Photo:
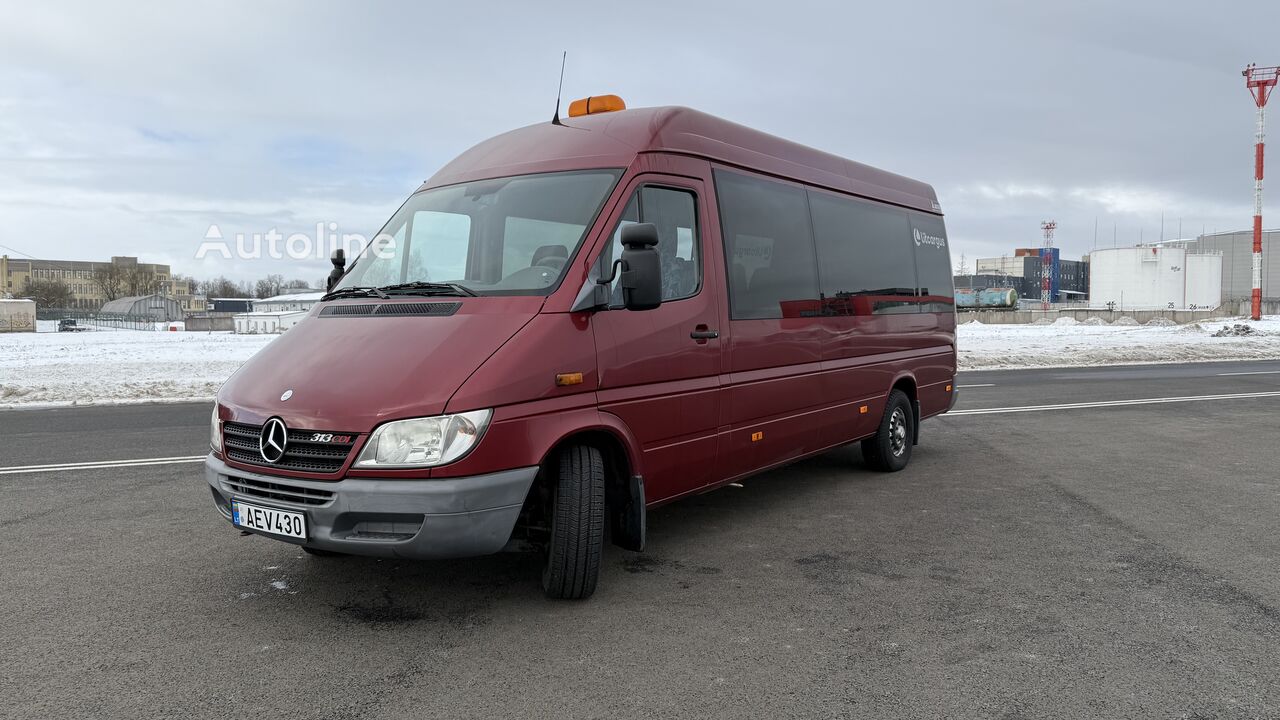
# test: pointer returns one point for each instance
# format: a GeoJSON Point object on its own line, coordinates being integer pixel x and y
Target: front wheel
{"type": "Point", "coordinates": [577, 523]}
{"type": "Point", "coordinates": [890, 449]}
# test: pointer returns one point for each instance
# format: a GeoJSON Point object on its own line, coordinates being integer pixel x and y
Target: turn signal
{"type": "Point", "coordinates": [596, 104]}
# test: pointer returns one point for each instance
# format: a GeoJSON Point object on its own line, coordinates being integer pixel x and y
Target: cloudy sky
{"type": "Point", "coordinates": [130, 131]}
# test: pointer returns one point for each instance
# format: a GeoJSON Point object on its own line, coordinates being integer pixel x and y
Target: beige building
{"type": "Point", "coordinates": [78, 276]}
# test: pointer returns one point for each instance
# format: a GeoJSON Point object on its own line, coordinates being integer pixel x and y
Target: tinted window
{"type": "Point", "coordinates": [865, 256]}
{"type": "Point", "coordinates": [675, 215]}
{"type": "Point", "coordinates": [933, 263]}
{"type": "Point", "coordinates": [768, 248]}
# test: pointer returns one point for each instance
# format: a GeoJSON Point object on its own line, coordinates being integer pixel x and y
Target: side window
{"type": "Point", "coordinates": [674, 212]}
{"type": "Point", "coordinates": [768, 248]}
{"type": "Point", "coordinates": [865, 253]}
{"type": "Point", "coordinates": [933, 263]}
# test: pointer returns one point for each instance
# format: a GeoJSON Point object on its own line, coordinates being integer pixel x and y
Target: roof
{"type": "Point", "coordinates": [125, 304]}
{"type": "Point", "coordinates": [614, 139]}
{"type": "Point", "coordinates": [270, 313]}
{"type": "Point", "coordinates": [295, 297]}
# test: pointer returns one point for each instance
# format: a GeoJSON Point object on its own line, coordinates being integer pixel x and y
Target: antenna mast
{"type": "Point", "coordinates": [1260, 81]}
{"type": "Point", "coordinates": [1046, 264]}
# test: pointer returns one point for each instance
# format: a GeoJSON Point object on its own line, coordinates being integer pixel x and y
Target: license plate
{"type": "Point", "coordinates": [269, 520]}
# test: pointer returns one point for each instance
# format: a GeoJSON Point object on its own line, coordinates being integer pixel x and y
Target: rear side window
{"type": "Point", "coordinates": [865, 255]}
{"type": "Point", "coordinates": [933, 263]}
{"type": "Point", "coordinates": [768, 248]}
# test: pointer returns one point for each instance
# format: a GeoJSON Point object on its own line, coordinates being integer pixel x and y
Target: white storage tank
{"type": "Point", "coordinates": [1154, 277]}
{"type": "Point", "coordinates": [1204, 280]}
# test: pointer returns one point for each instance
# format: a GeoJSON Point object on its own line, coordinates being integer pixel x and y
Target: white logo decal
{"type": "Point", "coordinates": [924, 238]}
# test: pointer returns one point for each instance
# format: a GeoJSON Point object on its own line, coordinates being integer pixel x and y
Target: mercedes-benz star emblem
{"type": "Point", "coordinates": [273, 441]}
{"type": "Point", "coordinates": [287, 394]}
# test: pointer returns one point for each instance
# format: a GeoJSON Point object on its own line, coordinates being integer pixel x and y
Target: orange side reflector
{"type": "Point", "coordinates": [948, 388]}
{"type": "Point", "coordinates": [757, 436]}
{"type": "Point", "coordinates": [862, 410]}
{"type": "Point", "coordinates": [596, 104]}
{"type": "Point", "coordinates": [568, 379]}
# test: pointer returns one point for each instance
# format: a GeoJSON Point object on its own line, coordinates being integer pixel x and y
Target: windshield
{"type": "Point", "coordinates": [507, 236]}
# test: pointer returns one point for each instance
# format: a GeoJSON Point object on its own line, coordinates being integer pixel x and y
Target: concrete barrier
{"type": "Point", "coordinates": [1026, 317]}
{"type": "Point", "coordinates": [210, 324]}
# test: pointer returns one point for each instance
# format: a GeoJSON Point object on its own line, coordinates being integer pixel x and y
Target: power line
{"type": "Point", "coordinates": [6, 247]}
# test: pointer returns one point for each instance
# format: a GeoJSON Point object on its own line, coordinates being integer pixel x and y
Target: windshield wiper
{"type": "Point", "coordinates": [354, 292]}
{"type": "Point", "coordinates": [428, 288]}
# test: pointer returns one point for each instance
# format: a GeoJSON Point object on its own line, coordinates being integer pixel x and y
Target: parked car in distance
{"type": "Point", "coordinates": [575, 322]}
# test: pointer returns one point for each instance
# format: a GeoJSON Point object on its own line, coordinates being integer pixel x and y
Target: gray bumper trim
{"type": "Point", "coordinates": [449, 517]}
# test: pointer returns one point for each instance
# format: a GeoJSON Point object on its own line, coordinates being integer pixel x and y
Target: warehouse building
{"type": "Point", "coordinates": [1236, 249]}
{"type": "Point", "coordinates": [157, 308]}
{"type": "Point", "coordinates": [259, 323]}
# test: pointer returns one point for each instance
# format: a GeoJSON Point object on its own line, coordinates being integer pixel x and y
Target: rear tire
{"type": "Point", "coordinates": [890, 449]}
{"type": "Point", "coordinates": [577, 524]}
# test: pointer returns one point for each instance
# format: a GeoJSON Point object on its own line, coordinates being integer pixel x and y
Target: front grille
{"type": "Point", "coordinates": [302, 452]}
{"type": "Point", "coordinates": [277, 490]}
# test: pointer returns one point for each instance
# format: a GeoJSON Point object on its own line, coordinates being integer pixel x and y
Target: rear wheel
{"type": "Point", "coordinates": [577, 523]}
{"type": "Point", "coordinates": [890, 449]}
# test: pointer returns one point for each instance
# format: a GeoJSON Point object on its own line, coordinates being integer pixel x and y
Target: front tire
{"type": "Point", "coordinates": [577, 524]}
{"type": "Point", "coordinates": [890, 449]}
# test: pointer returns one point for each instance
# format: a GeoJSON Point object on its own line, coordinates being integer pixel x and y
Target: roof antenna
{"type": "Point", "coordinates": [555, 119]}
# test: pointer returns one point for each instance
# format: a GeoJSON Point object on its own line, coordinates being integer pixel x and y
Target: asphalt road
{"type": "Point", "coordinates": [1115, 561]}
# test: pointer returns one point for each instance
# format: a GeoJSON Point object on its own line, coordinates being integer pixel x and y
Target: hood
{"type": "Point", "coordinates": [349, 372]}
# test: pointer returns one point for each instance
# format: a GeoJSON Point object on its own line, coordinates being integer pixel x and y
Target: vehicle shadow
{"type": "Point", "coordinates": [465, 593]}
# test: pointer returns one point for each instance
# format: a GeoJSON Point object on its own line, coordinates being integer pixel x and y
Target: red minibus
{"type": "Point", "coordinates": [577, 321]}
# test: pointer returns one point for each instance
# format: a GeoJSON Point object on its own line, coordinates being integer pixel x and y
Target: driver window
{"type": "Point", "coordinates": [675, 215]}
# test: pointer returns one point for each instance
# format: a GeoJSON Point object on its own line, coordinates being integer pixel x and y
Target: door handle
{"type": "Point", "coordinates": [702, 333]}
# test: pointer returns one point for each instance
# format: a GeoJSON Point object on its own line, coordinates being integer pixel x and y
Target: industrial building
{"type": "Point", "coordinates": [1154, 277]}
{"type": "Point", "coordinates": [87, 292]}
{"type": "Point", "coordinates": [1236, 249]}
{"type": "Point", "coordinates": [258, 323]}
{"type": "Point", "coordinates": [1024, 270]}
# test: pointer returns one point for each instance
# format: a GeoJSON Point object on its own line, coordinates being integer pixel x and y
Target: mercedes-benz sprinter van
{"type": "Point", "coordinates": [576, 321]}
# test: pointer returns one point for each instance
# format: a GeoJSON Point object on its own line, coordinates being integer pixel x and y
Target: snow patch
{"type": "Point", "coordinates": [1160, 322]}
{"type": "Point", "coordinates": [1126, 321]}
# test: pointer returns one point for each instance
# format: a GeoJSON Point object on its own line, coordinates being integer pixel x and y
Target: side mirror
{"type": "Point", "coordinates": [339, 260]}
{"type": "Point", "coordinates": [641, 267]}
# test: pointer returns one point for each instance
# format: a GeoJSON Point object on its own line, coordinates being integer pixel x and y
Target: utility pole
{"type": "Point", "coordinates": [1260, 81]}
{"type": "Point", "coordinates": [1046, 263]}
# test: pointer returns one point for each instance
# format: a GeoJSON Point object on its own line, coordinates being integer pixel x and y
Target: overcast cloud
{"type": "Point", "coordinates": [129, 131]}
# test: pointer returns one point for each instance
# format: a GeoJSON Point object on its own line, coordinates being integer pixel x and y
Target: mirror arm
{"type": "Point", "coordinates": [613, 272]}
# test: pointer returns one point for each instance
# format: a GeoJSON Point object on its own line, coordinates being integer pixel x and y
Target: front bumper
{"type": "Point", "coordinates": [446, 518]}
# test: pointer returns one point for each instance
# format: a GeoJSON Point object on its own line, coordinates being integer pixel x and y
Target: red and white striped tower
{"type": "Point", "coordinates": [1046, 264]}
{"type": "Point", "coordinates": [1260, 82]}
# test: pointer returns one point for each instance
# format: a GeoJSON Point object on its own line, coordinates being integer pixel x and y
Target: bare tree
{"type": "Point", "coordinates": [48, 293]}
{"type": "Point", "coordinates": [140, 281]}
{"type": "Point", "coordinates": [221, 287]}
{"type": "Point", "coordinates": [269, 286]}
{"type": "Point", "coordinates": [110, 280]}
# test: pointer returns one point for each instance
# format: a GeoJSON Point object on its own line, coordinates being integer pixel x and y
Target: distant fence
{"type": "Point", "coordinates": [98, 319]}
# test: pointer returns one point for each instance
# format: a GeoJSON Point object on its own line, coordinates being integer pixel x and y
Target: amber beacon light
{"type": "Point", "coordinates": [596, 104]}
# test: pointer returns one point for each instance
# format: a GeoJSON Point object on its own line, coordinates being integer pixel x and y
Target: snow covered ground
{"type": "Point", "coordinates": [127, 366]}
{"type": "Point", "coordinates": [118, 366]}
{"type": "Point", "coordinates": [1066, 343]}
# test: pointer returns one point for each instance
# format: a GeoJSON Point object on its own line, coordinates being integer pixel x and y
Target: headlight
{"type": "Point", "coordinates": [423, 442]}
{"type": "Point", "coordinates": [215, 430]}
